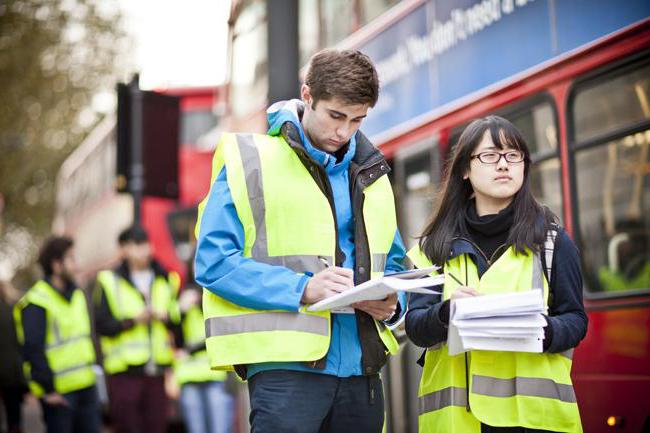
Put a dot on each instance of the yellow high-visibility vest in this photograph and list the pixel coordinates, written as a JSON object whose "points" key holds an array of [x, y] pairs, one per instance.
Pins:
{"points": [[532, 390], [136, 345], [68, 346], [195, 367], [287, 221]]}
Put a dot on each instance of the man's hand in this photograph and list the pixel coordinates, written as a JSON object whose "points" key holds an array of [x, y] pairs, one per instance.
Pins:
{"points": [[55, 399], [464, 292], [144, 317], [160, 315], [327, 283], [379, 310]]}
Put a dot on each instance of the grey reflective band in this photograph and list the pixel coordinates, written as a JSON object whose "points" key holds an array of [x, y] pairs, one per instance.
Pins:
{"points": [[434, 347], [567, 354], [549, 246], [73, 369], [264, 322], [252, 165], [538, 278], [65, 342], [379, 262], [525, 386], [57, 334], [300, 264], [452, 396]]}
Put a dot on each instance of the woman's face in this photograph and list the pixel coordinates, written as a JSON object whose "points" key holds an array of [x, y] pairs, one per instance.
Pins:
{"points": [[496, 183]]}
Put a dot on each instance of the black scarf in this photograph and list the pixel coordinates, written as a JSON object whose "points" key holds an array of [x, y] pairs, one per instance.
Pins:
{"points": [[489, 232]]}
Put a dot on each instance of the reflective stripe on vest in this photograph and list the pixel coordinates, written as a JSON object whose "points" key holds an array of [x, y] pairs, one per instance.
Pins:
{"points": [[69, 349], [530, 386], [262, 322], [501, 394], [195, 367], [451, 396], [259, 167]]}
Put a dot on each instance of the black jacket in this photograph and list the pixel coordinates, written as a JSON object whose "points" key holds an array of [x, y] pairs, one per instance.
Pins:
{"points": [[367, 165], [427, 318]]}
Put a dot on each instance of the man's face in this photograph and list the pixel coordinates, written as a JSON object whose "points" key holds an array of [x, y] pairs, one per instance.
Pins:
{"points": [[67, 266], [137, 254], [331, 122]]}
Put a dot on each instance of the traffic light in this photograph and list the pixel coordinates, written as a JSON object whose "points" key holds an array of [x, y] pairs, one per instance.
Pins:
{"points": [[160, 142]]}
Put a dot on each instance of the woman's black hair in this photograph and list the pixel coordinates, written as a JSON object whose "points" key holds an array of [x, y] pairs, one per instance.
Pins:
{"points": [[448, 218]]}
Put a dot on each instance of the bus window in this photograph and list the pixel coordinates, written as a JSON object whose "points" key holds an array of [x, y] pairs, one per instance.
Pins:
{"points": [[606, 106], [612, 180], [181, 227], [417, 178]]}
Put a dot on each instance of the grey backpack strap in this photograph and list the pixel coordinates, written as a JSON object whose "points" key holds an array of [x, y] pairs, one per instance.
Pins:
{"points": [[549, 246]]}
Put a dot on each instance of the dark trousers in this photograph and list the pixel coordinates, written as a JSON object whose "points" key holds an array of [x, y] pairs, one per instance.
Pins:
{"points": [[80, 415], [299, 402], [12, 400], [137, 403]]}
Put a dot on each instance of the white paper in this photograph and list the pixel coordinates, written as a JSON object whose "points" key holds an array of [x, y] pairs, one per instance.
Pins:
{"points": [[410, 281], [503, 344], [522, 321], [503, 322]]}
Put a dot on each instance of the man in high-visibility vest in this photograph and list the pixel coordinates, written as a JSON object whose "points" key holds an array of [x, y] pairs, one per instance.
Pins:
{"points": [[293, 217], [53, 326], [134, 312]]}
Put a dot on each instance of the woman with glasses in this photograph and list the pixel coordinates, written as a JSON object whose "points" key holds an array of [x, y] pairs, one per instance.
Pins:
{"points": [[490, 236]]}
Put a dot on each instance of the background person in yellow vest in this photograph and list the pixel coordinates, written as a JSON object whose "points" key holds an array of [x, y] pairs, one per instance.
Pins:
{"points": [[134, 305], [53, 326], [293, 217], [490, 234], [205, 404]]}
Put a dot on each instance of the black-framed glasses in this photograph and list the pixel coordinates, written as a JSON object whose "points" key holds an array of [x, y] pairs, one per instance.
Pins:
{"points": [[512, 156]]}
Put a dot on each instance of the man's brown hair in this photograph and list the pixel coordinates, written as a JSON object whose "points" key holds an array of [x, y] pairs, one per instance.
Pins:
{"points": [[348, 75]]}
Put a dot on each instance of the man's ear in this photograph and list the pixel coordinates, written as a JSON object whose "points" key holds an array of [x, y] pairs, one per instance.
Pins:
{"points": [[305, 94]]}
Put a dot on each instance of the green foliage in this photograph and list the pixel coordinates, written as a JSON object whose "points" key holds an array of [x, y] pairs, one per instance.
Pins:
{"points": [[55, 56]]}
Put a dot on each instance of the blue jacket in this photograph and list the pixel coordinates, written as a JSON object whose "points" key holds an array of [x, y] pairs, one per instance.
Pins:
{"points": [[427, 320], [222, 269]]}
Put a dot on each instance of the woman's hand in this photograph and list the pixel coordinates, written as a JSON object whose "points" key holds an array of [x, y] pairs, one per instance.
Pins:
{"points": [[464, 292]]}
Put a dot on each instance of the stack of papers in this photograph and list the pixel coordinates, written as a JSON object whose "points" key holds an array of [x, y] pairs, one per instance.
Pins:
{"points": [[415, 281], [507, 322]]}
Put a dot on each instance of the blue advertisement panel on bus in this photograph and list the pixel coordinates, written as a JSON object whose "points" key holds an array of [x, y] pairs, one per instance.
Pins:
{"points": [[444, 50]]}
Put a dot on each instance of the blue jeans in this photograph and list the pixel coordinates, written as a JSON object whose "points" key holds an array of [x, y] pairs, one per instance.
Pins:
{"points": [[81, 415], [206, 407], [300, 402]]}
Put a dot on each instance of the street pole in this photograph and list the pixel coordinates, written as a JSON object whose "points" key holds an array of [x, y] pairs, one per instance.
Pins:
{"points": [[137, 165]]}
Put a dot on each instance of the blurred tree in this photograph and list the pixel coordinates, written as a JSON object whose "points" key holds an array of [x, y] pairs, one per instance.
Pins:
{"points": [[57, 59]]}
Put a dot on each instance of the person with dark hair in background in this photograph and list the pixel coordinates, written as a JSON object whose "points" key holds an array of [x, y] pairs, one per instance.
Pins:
{"points": [[53, 326], [491, 236], [295, 216], [12, 383], [135, 311]]}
